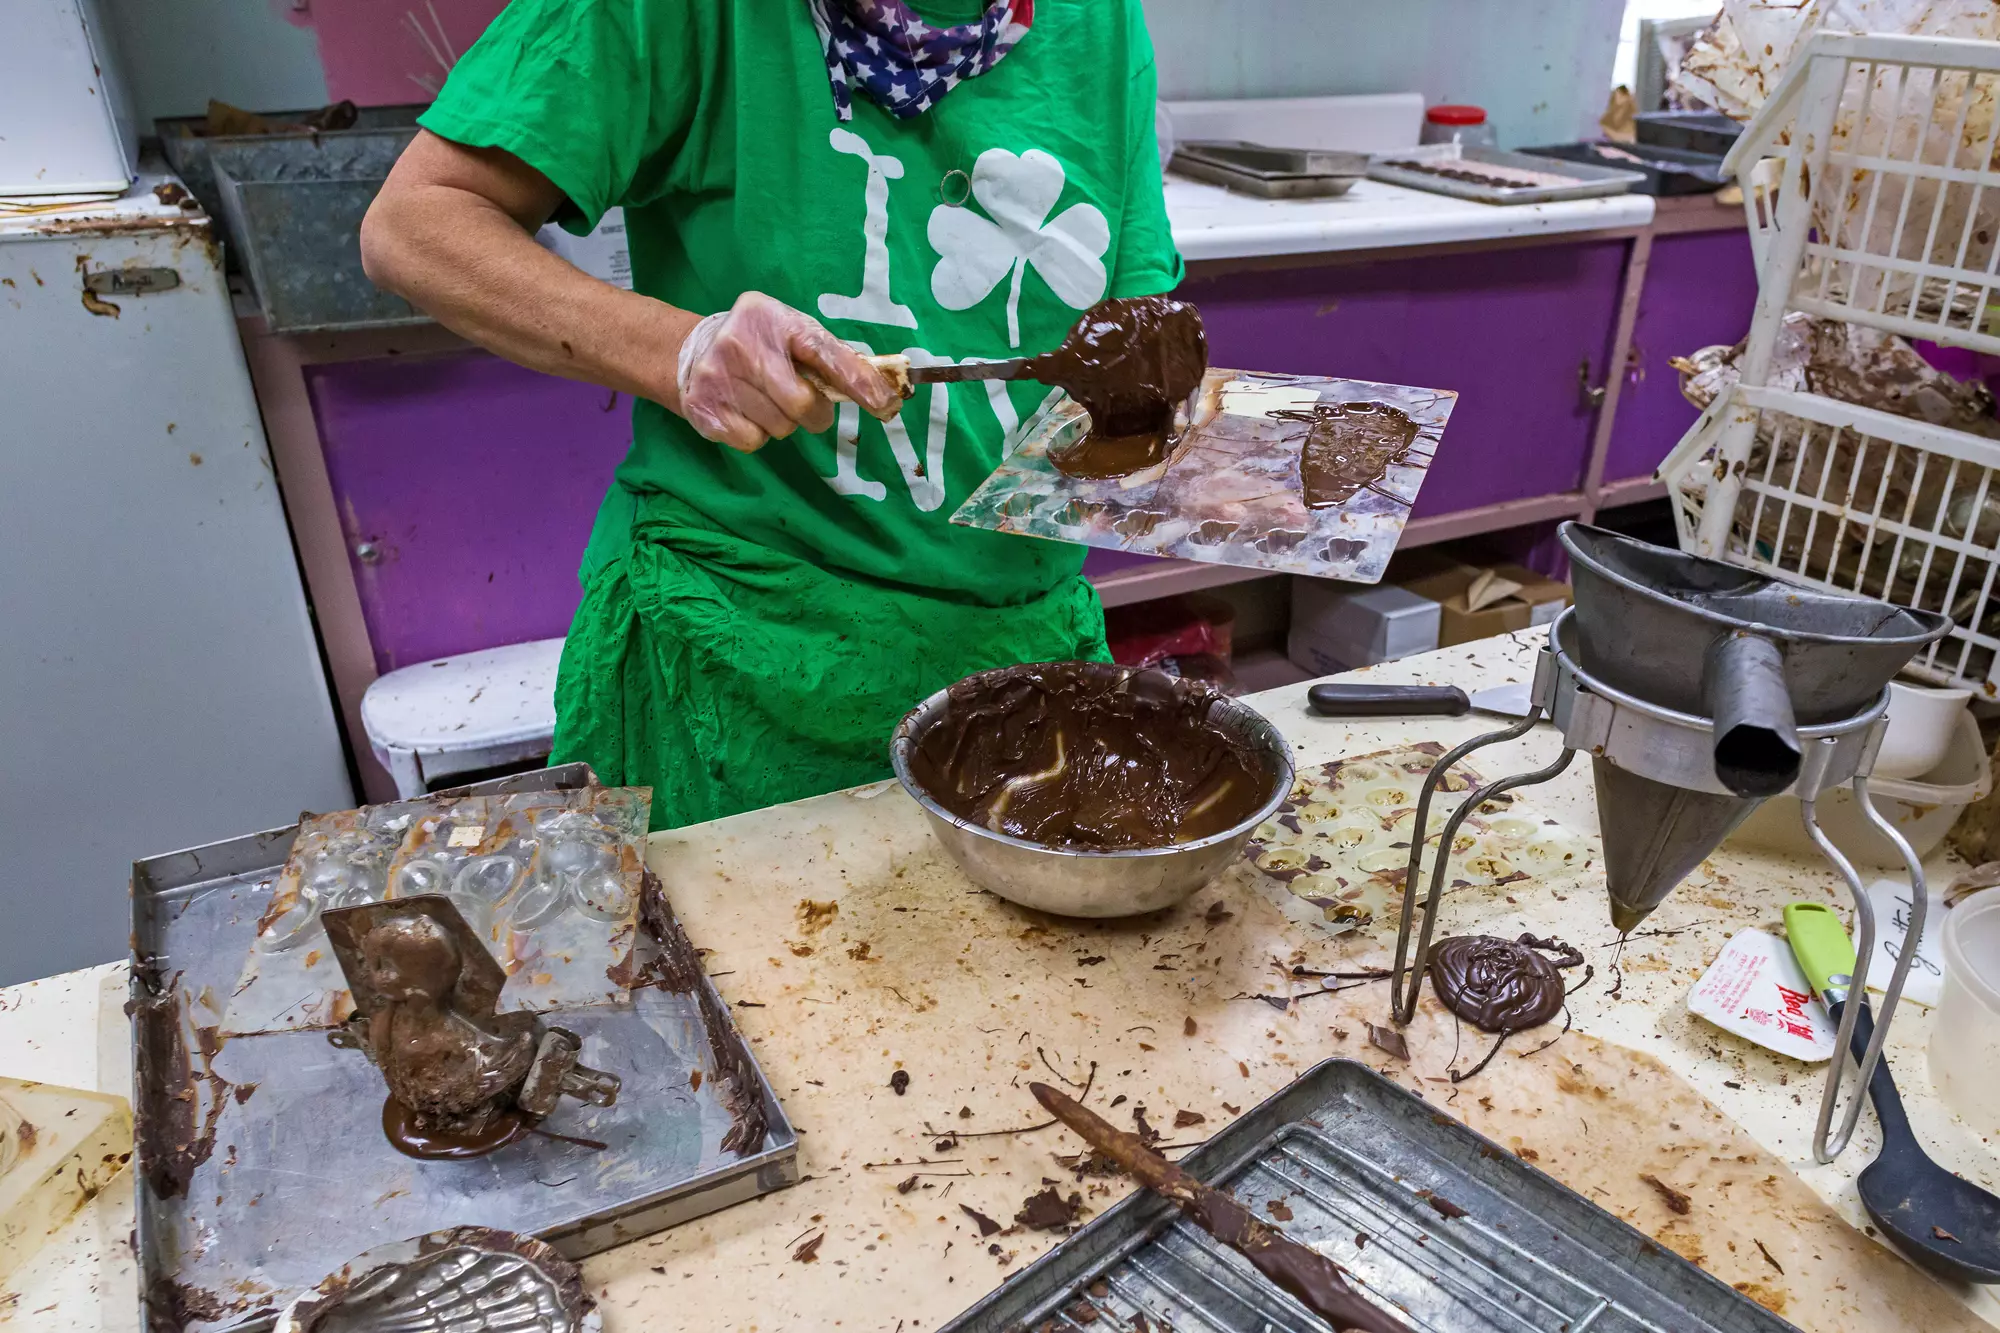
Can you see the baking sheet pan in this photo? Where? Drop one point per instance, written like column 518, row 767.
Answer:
column 1349, row 1154
column 1542, row 180
column 289, row 1175
column 1230, row 492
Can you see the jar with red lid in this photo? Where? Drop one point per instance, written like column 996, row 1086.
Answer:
column 1462, row 125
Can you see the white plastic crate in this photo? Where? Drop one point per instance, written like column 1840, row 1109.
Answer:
column 1871, row 189
column 1854, row 500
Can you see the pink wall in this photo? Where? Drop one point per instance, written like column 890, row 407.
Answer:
column 383, row 52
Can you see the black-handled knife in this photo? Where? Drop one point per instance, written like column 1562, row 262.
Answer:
column 1333, row 700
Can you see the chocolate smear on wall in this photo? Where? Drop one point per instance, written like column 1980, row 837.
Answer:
column 1317, row 1281
column 1087, row 756
column 680, row 971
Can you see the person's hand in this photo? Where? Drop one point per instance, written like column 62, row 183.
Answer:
column 739, row 374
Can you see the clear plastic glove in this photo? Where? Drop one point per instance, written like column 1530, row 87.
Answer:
column 739, row 374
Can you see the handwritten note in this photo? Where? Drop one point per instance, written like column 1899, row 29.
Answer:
column 1892, row 929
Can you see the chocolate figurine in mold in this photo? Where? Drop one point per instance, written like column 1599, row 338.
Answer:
column 1348, row 448
column 463, row 1078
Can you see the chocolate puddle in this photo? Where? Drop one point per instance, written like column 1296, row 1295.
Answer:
column 1348, row 447
column 1495, row 984
column 1087, row 756
column 409, row 1136
column 1132, row 363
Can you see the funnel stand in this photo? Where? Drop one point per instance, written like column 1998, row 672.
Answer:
column 1826, row 1147
column 1404, row 1005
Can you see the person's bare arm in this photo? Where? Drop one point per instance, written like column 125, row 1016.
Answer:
column 452, row 232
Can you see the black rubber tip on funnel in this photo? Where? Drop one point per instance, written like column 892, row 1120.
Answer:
column 1756, row 741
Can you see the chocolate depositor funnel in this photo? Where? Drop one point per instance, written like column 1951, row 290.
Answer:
column 1671, row 784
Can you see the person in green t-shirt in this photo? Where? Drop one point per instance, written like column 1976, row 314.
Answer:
column 773, row 580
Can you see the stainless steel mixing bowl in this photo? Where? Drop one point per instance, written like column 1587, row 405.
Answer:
column 1096, row 884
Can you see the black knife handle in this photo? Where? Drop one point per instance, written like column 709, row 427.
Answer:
column 1388, row 700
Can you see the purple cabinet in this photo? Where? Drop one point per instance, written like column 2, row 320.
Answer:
column 1508, row 329
column 1700, row 289
column 466, row 487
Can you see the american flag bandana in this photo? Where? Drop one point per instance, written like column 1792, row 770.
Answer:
column 902, row 63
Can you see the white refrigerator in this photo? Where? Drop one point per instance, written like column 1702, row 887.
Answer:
column 160, row 683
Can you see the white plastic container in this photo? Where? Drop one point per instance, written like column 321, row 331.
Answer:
column 1965, row 1038
column 1922, row 722
column 1921, row 809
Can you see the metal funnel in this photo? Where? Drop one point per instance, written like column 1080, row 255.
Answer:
column 1648, row 617
column 1655, row 834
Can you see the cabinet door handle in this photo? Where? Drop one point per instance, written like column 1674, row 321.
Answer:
column 1591, row 395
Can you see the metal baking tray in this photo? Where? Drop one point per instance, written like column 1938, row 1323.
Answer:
column 1422, row 168
column 300, row 1179
column 1667, row 171
column 1269, row 173
column 1350, row 1153
column 1695, row 131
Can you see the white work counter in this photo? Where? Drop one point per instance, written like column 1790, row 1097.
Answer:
column 1212, row 223
column 903, row 964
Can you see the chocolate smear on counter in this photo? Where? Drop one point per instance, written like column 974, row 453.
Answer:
column 1088, row 756
column 1316, row 1280
column 808, row 1251
column 1347, row 448
column 987, row 1226
column 1495, row 984
column 1048, row 1210
column 1132, row 363
column 1677, row 1201
column 899, row 1082
column 733, row 1077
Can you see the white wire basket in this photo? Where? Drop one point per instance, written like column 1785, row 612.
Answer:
column 1873, row 197
column 1870, row 185
column 1858, row 501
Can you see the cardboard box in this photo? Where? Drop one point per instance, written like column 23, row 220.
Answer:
column 1538, row 601
column 1338, row 626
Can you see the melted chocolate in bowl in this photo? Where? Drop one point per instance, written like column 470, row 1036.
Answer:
column 1131, row 363
column 1088, row 757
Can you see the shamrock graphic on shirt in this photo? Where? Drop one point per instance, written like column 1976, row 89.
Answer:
column 976, row 253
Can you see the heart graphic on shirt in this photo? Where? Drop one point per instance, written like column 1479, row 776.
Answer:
column 975, row 253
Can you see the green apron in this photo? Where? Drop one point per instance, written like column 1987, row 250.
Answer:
column 753, row 625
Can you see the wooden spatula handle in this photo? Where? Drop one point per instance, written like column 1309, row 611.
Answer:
column 894, row 366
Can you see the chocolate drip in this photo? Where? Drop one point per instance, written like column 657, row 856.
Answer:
column 1132, row 363
column 1087, row 756
column 1495, row 984
column 1314, row 1279
column 413, row 1138
column 1348, row 447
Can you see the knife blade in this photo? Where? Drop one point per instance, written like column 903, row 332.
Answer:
column 896, row 368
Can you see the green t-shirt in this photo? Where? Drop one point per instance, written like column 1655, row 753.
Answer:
column 977, row 230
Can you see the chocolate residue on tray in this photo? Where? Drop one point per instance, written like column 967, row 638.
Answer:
column 1349, row 447
column 1132, row 363
column 1087, row 756
column 1495, row 984
column 331, row 1312
column 413, row 1137
column 680, row 971
column 172, row 1306
column 176, row 1131
column 1314, row 1279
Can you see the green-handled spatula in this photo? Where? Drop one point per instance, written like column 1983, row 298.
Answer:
column 1940, row 1221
